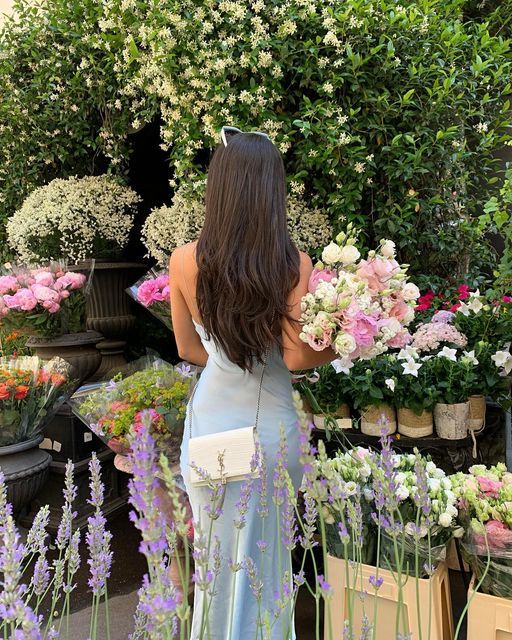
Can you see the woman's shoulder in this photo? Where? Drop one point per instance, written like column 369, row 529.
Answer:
column 305, row 261
column 183, row 258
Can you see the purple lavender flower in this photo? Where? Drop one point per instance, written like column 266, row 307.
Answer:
column 325, row 587
column 5, row 507
column 376, row 582
column 366, row 628
column 37, row 534
column 242, row 503
column 307, row 541
column 97, row 537
column 68, row 515
column 40, row 575
column 255, row 584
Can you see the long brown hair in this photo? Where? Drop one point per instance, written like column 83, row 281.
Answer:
column 247, row 262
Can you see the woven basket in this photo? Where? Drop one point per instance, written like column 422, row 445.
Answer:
column 452, row 420
column 476, row 412
column 414, row 426
column 343, row 411
column 307, row 408
column 372, row 417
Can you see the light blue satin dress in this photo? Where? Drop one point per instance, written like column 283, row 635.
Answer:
column 225, row 399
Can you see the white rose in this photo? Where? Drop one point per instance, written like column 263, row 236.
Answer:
column 410, row 291
column 445, row 519
column 344, row 344
column 349, row 254
column 331, row 253
column 387, row 248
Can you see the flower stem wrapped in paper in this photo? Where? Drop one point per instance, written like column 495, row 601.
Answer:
column 358, row 307
column 485, row 508
column 46, row 301
column 148, row 390
column 31, row 390
column 152, row 291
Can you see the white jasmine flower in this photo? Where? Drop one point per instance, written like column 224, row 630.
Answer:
column 446, row 352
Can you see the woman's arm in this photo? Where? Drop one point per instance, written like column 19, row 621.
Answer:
column 189, row 344
column 297, row 354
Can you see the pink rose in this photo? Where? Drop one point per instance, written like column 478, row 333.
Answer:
column 45, row 294
column 400, row 311
column 498, row 534
column 490, row 487
column 45, row 278
column 320, row 275
column 8, row 284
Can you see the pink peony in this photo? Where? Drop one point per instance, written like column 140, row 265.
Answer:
column 320, row 275
column 45, row 278
column 148, row 293
column 26, row 299
column 70, row 280
column 51, row 307
column 45, row 294
column 8, row 284
column 490, row 487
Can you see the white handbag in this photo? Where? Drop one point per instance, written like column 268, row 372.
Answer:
column 226, row 456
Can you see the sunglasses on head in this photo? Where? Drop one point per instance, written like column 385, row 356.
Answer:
column 226, row 132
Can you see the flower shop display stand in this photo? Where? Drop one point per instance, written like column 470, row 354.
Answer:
column 489, row 617
column 435, row 589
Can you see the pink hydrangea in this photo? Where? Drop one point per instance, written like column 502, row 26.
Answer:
column 432, row 335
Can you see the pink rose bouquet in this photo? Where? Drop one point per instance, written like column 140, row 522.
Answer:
column 484, row 498
column 45, row 301
column 359, row 307
column 153, row 292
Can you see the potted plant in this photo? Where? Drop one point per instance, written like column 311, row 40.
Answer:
column 48, row 304
column 372, row 393
column 326, row 396
column 455, row 378
column 87, row 222
column 415, row 396
column 31, row 390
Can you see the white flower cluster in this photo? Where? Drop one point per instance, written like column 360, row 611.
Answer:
column 68, row 218
column 168, row 227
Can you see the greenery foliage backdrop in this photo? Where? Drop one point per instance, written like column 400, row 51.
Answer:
column 388, row 115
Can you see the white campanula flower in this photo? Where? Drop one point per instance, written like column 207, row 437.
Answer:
column 463, row 308
column 411, row 368
column 446, row 352
column 390, row 383
column 469, row 356
column 475, row 305
column 341, row 365
column 408, row 353
column 503, row 360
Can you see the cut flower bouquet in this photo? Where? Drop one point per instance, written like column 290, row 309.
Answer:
column 46, row 301
column 358, row 307
column 30, row 391
column 152, row 291
column 148, row 390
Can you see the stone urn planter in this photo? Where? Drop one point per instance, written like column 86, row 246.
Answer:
column 79, row 349
column 26, row 468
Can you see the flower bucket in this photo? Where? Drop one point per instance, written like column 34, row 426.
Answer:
column 343, row 423
column 415, row 426
column 476, row 412
column 452, row 420
column 374, row 419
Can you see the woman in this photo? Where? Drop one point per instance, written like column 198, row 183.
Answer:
column 235, row 300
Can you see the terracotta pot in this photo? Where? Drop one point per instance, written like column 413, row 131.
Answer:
column 26, row 469
column 477, row 409
column 79, row 349
column 452, row 420
column 414, row 426
column 374, row 419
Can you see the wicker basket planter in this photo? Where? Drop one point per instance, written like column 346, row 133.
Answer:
column 452, row 420
column 372, row 420
column 476, row 412
column 341, row 415
column 415, row 426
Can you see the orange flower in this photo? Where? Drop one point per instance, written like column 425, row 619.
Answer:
column 21, row 392
column 58, row 379
column 4, row 392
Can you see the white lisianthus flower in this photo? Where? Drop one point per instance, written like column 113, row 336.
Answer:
column 410, row 291
column 445, row 519
column 458, row 532
column 446, row 352
column 503, row 360
column 349, row 254
column 390, row 384
column 434, row 484
column 388, row 248
column 344, row 344
column 327, row 515
column 331, row 253
column 430, row 467
column 402, row 492
column 368, row 494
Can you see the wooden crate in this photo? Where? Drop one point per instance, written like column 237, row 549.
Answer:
column 436, row 588
column 489, row 617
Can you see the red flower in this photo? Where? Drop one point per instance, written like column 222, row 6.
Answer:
column 454, row 307
column 21, row 392
column 506, row 299
column 463, row 291
column 423, row 306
